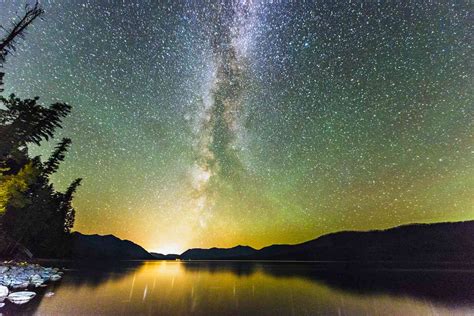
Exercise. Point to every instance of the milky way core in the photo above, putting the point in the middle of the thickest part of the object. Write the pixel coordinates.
(218, 124)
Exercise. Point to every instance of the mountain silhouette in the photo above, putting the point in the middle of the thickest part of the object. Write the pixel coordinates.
(160, 256)
(439, 242)
(217, 253)
(106, 247)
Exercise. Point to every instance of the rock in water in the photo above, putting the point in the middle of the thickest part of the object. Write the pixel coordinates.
(20, 276)
(19, 284)
(21, 297)
(36, 280)
(55, 277)
(3, 291)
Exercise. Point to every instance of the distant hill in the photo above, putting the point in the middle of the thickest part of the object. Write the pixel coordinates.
(217, 253)
(106, 247)
(160, 256)
(440, 242)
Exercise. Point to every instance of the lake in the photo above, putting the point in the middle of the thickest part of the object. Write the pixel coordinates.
(251, 288)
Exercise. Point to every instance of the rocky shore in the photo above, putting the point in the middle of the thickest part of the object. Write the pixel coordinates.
(19, 279)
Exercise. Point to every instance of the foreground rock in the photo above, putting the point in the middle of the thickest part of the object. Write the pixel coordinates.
(19, 276)
(3, 291)
(21, 297)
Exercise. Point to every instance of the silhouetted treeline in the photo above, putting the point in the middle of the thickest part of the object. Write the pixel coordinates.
(33, 215)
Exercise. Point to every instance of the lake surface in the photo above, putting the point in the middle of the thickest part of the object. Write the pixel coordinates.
(251, 288)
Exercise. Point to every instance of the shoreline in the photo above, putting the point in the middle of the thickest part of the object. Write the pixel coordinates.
(20, 281)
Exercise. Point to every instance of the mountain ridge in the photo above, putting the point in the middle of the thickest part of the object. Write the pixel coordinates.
(446, 241)
(97, 246)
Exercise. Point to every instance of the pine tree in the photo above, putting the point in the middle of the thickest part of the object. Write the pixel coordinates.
(32, 212)
(26, 121)
(52, 165)
(17, 30)
(66, 206)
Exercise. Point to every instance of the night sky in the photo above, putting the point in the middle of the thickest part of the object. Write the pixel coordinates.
(200, 125)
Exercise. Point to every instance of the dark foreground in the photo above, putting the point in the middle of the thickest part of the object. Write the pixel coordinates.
(253, 288)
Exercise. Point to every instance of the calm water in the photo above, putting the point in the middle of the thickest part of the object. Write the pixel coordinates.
(239, 288)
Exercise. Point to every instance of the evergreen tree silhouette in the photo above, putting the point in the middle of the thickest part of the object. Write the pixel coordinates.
(17, 30)
(32, 212)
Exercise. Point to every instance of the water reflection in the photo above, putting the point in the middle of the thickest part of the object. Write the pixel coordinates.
(235, 288)
(99, 272)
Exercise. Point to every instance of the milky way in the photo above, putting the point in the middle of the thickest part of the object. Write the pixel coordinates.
(255, 122)
(222, 105)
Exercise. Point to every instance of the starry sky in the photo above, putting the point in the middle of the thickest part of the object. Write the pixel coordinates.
(201, 124)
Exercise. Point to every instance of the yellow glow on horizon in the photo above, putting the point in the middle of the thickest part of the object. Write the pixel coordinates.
(172, 248)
